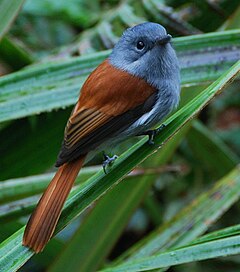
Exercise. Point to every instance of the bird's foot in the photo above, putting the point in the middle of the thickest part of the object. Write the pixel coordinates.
(152, 133)
(107, 161)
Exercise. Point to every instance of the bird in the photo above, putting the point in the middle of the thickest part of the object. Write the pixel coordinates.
(127, 95)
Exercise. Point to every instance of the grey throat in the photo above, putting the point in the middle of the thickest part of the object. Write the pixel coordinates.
(158, 67)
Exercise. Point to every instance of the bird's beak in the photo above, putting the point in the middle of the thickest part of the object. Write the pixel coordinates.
(164, 40)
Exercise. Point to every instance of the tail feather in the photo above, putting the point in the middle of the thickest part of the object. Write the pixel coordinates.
(43, 220)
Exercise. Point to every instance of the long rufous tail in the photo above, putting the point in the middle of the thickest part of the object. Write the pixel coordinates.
(43, 220)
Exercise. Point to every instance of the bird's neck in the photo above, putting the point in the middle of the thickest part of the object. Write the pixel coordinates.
(156, 71)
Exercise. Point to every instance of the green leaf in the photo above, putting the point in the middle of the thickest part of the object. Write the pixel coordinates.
(167, 17)
(233, 21)
(13, 54)
(23, 206)
(218, 248)
(191, 222)
(85, 249)
(211, 150)
(76, 12)
(8, 11)
(7, 229)
(56, 85)
(92, 189)
(35, 137)
(104, 35)
(187, 225)
(14, 189)
(218, 234)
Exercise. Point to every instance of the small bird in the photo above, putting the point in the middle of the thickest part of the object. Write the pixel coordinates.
(126, 95)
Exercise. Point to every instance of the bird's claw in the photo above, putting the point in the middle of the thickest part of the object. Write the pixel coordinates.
(152, 133)
(108, 161)
(160, 128)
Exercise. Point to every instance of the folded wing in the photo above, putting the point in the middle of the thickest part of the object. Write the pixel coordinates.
(111, 100)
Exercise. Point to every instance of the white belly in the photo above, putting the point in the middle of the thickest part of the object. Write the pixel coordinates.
(167, 101)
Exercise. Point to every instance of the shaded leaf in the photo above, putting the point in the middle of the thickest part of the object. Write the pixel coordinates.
(56, 85)
(92, 189)
(8, 11)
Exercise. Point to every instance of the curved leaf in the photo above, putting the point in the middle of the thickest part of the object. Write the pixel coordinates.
(92, 189)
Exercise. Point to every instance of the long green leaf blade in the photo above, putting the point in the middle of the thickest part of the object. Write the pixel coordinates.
(14, 55)
(85, 249)
(207, 147)
(8, 11)
(191, 222)
(219, 248)
(14, 189)
(100, 183)
(56, 85)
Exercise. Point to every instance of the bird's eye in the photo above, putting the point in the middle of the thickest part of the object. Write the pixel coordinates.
(140, 45)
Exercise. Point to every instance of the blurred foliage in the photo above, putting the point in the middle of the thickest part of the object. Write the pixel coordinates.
(52, 32)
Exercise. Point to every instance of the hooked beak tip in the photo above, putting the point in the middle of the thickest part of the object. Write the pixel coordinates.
(166, 39)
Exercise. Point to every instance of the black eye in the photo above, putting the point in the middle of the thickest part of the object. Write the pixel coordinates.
(140, 45)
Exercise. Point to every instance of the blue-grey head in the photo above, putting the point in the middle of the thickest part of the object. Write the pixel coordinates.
(145, 51)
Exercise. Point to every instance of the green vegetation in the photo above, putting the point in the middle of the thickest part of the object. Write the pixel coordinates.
(172, 206)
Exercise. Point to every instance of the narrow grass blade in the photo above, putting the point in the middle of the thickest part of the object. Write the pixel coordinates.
(100, 183)
(218, 234)
(191, 222)
(54, 85)
(112, 213)
(14, 55)
(15, 189)
(18, 199)
(211, 150)
(217, 248)
(8, 11)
